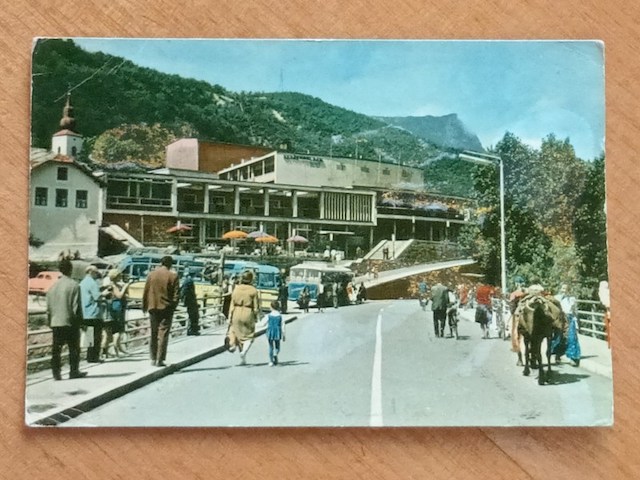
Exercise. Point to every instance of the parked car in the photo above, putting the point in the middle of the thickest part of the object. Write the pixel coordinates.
(41, 283)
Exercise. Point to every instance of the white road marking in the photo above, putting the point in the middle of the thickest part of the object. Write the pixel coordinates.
(376, 378)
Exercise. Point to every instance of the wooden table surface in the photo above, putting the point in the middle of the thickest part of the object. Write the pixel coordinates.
(325, 453)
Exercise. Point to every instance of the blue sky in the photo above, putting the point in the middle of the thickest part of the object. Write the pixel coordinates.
(530, 88)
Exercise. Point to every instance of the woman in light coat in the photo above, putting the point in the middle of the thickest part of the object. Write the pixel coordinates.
(243, 314)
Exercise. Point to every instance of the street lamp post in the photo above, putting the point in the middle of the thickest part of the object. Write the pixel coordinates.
(485, 159)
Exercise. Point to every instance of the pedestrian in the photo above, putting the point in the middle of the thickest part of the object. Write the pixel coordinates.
(321, 301)
(385, 253)
(423, 288)
(362, 293)
(439, 304)
(92, 311)
(569, 307)
(358, 252)
(243, 314)
(64, 317)
(116, 308)
(303, 299)
(160, 298)
(350, 293)
(334, 294)
(190, 300)
(283, 296)
(484, 294)
(326, 255)
(275, 332)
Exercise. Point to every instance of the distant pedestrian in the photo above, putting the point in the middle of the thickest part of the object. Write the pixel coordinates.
(334, 294)
(190, 300)
(439, 305)
(322, 297)
(385, 253)
(484, 294)
(275, 332)
(283, 296)
(362, 293)
(304, 299)
(358, 252)
(64, 316)
(160, 299)
(243, 314)
(92, 311)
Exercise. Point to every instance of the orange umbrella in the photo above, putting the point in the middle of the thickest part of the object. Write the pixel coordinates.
(234, 235)
(267, 239)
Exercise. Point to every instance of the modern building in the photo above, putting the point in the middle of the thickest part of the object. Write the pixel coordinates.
(320, 171)
(147, 205)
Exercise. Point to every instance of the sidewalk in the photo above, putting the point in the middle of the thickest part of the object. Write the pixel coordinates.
(51, 402)
(596, 355)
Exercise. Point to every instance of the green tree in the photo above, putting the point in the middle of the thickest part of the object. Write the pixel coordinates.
(590, 224)
(139, 143)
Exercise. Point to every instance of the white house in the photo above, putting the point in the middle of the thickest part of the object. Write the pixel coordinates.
(65, 208)
(65, 199)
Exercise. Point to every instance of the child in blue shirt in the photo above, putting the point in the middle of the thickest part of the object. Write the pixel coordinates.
(275, 332)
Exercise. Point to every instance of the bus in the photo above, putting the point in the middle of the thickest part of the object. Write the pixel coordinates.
(137, 267)
(266, 278)
(312, 274)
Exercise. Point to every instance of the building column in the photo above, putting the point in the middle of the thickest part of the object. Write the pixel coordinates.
(348, 199)
(321, 205)
(294, 203)
(413, 227)
(202, 231)
(236, 200)
(431, 231)
(174, 197)
(266, 202)
(206, 198)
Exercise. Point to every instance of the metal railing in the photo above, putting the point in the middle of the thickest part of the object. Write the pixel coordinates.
(137, 331)
(591, 319)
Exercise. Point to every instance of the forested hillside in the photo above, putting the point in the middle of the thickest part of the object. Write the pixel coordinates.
(554, 201)
(128, 114)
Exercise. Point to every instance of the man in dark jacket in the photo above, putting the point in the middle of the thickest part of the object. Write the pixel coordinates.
(160, 298)
(189, 299)
(439, 304)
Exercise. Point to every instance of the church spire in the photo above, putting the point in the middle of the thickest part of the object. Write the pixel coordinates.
(68, 121)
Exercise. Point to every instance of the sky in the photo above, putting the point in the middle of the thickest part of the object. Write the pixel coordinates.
(529, 88)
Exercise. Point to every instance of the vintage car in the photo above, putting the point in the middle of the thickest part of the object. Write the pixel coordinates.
(41, 283)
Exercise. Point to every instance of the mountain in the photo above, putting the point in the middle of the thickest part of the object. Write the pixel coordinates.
(128, 114)
(446, 131)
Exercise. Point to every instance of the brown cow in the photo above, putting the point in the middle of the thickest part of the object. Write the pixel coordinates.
(539, 317)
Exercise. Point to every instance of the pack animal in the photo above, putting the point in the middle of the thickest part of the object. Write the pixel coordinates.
(539, 318)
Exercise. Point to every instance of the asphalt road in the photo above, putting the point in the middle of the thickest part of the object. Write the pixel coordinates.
(377, 364)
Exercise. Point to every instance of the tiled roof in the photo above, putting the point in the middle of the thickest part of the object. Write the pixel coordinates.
(66, 132)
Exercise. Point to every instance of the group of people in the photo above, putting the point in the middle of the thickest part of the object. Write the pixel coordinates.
(444, 305)
(331, 294)
(244, 313)
(95, 305)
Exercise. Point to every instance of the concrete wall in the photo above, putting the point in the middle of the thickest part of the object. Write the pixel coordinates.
(183, 154)
(342, 172)
(68, 227)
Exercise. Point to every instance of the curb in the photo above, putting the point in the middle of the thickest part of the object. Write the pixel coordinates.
(75, 411)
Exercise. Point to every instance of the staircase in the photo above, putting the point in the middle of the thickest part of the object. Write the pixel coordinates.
(395, 251)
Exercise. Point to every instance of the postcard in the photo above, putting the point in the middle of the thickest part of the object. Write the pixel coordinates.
(317, 233)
